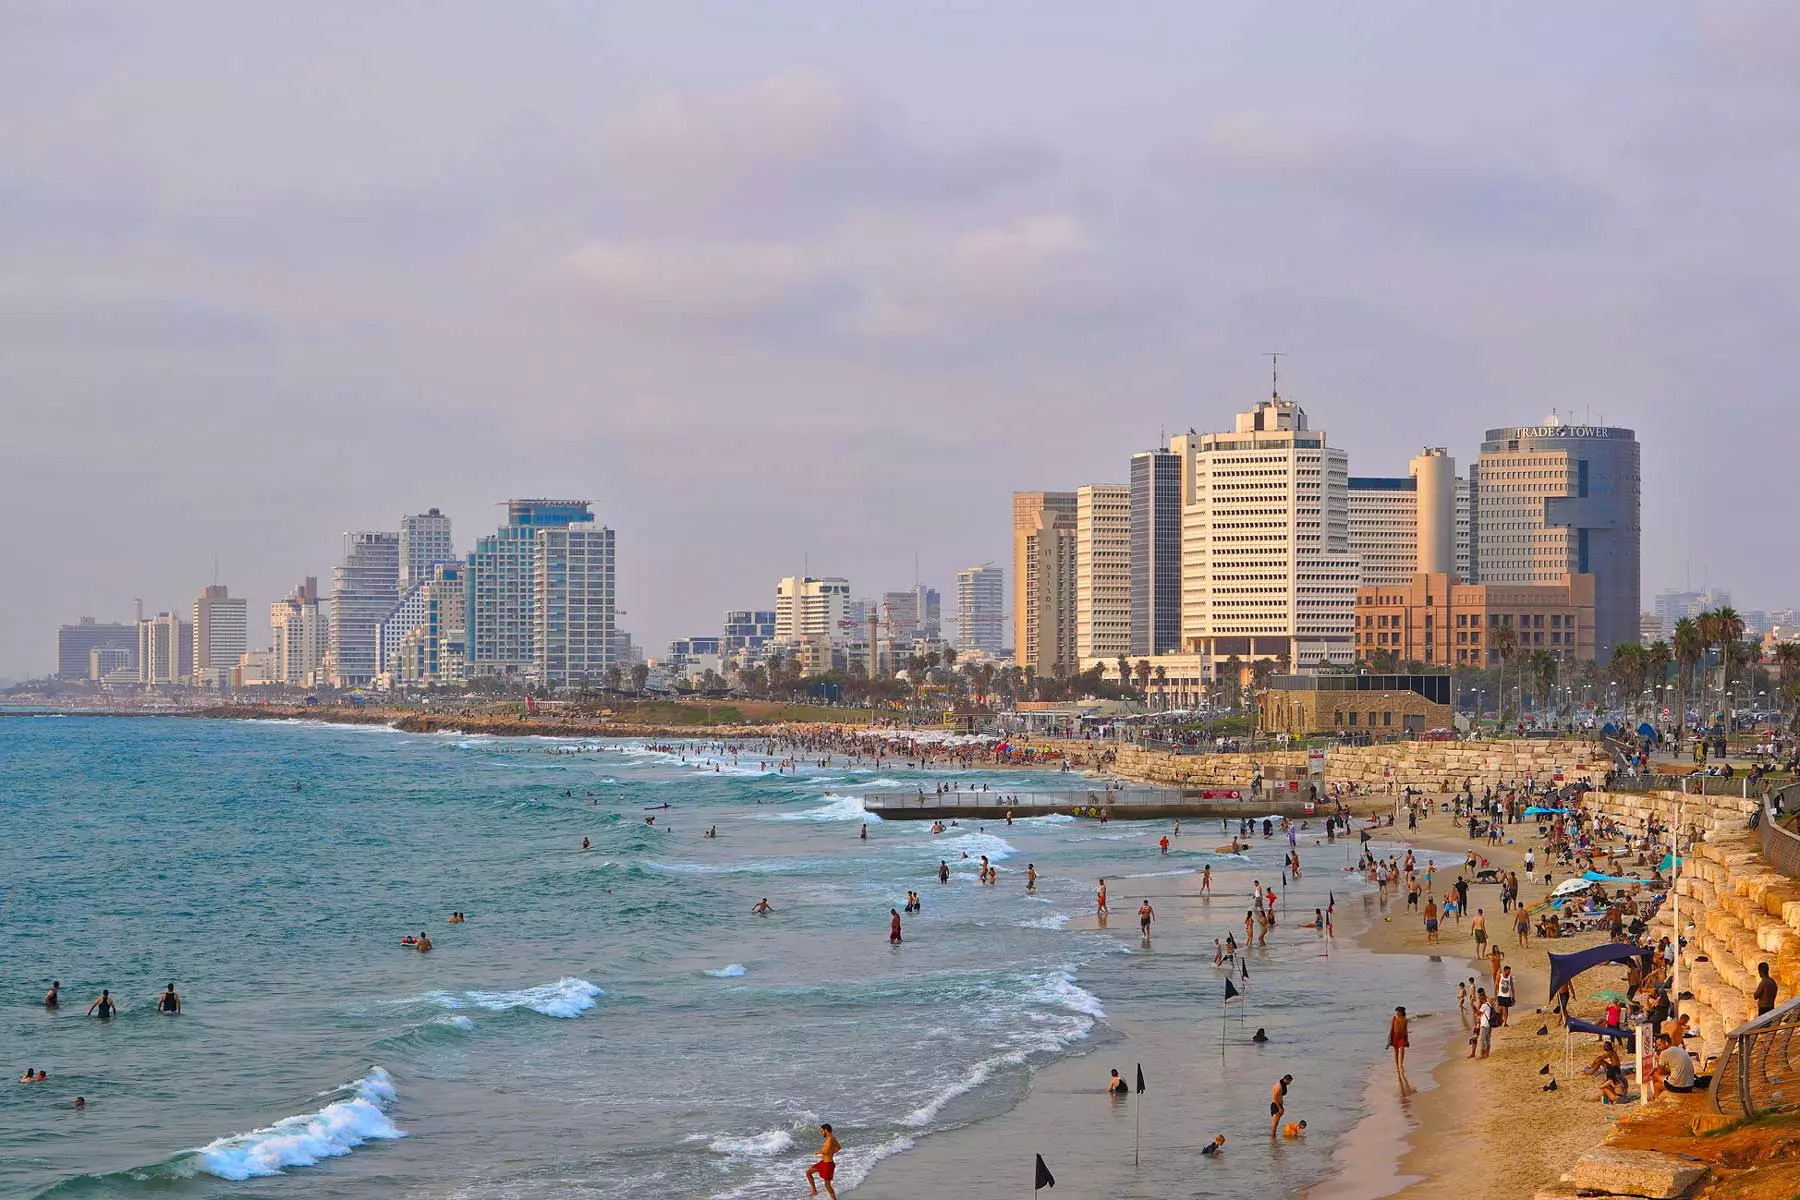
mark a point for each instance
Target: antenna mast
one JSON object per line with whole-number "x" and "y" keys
{"x": 1275, "y": 357}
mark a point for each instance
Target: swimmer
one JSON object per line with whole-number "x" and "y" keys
{"x": 943, "y": 871}
{"x": 586, "y": 845}
{"x": 169, "y": 1002}
{"x": 1165, "y": 843}
{"x": 1214, "y": 1147}
{"x": 1117, "y": 1086}
{"x": 826, "y": 1167}
{"x": 1030, "y": 877}
{"x": 30, "y": 1075}
{"x": 1293, "y": 1129}
{"x": 104, "y": 1008}
{"x": 423, "y": 944}
{"x": 1261, "y": 1036}
{"x": 80, "y": 1103}
{"x": 53, "y": 997}
{"x": 865, "y": 833}
{"x": 762, "y": 908}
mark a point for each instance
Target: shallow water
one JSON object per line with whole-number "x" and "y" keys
{"x": 607, "y": 1021}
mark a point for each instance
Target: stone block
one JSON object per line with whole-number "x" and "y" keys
{"x": 1646, "y": 1173}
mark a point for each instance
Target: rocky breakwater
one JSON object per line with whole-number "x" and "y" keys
{"x": 1430, "y": 766}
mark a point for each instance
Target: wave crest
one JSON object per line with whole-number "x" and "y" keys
{"x": 303, "y": 1141}
{"x": 566, "y": 998}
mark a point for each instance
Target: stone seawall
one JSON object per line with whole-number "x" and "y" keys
{"x": 1430, "y": 766}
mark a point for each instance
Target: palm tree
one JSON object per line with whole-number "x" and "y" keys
{"x": 613, "y": 677}
{"x": 1630, "y": 664}
{"x": 1143, "y": 677}
{"x": 640, "y": 675}
{"x": 1689, "y": 646}
{"x": 1162, "y": 684}
{"x": 1543, "y": 675}
{"x": 1503, "y": 643}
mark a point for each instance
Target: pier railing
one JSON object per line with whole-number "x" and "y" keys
{"x": 988, "y": 802}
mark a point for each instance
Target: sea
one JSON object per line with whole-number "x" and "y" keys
{"x": 608, "y": 1022}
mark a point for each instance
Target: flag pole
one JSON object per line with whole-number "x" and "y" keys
{"x": 1137, "y": 1132}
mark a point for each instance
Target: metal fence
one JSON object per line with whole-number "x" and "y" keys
{"x": 1758, "y": 1072}
{"x": 1780, "y": 847}
{"x": 1059, "y": 798}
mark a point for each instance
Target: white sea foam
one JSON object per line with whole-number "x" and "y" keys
{"x": 1162, "y": 874}
{"x": 998, "y": 849}
{"x": 1047, "y": 819}
{"x": 1053, "y": 921}
{"x": 733, "y": 971}
{"x": 835, "y": 808}
{"x": 302, "y": 1141}
{"x": 757, "y": 1145}
{"x": 566, "y": 998}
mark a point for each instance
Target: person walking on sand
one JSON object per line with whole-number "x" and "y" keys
{"x": 1100, "y": 901}
{"x": 1478, "y": 928}
{"x": 1146, "y": 914}
{"x": 1431, "y": 919}
{"x": 1398, "y": 1040}
{"x": 826, "y": 1167}
{"x": 1278, "y": 1103}
{"x": 1522, "y": 924}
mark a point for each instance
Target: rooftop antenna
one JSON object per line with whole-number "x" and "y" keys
{"x": 1275, "y": 357}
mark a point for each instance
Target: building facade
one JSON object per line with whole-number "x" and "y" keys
{"x": 363, "y": 588}
{"x": 1156, "y": 515}
{"x": 1440, "y": 622}
{"x": 501, "y": 581}
{"x": 1373, "y": 706}
{"x": 746, "y": 629}
{"x": 1555, "y": 500}
{"x": 425, "y": 541}
{"x": 1267, "y": 571}
{"x": 981, "y": 609}
{"x": 165, "y": 650}
{"x": 1417, "y": 522}
{"x": 1029, "y": 511}
{"x": 221, "y": 636}
{"x": 1103, "y": 571}
{"x": 1048, "y": 626}
{"x": 573, "y": 635}
{"x": 807, "y": 609}
{"x": 75, "y": 644}
{"x": 299, "y": 636}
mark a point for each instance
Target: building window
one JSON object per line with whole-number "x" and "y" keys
{"x": 1337, "y": 718}
{"x": 1387, "y": 718}
{"x": 1353, "y": 716}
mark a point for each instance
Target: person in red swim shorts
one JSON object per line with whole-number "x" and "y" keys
{"x": 826, "y": 1167}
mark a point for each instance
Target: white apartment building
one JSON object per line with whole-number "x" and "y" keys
{"x": 573, "y": 605}
{"x": 424, "y": 542}
{"x": 221, "y": 635}
{"x": 1400, "y": 526}
{"x": 363, "y": 588}
{"x": 165, "y": 650}
{"x": 502, "y": 581}
{"x": 807, "y": 609}
{"x": 981, "y": 609}
{"x": 1266, "y": 564}
{"x": 300, "y": 636}
{"x": 1102, "y": 571}
{"x": 407, "y": 614}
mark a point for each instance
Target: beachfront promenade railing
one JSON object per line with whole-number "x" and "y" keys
{"x": 1780, "y": 847}
{"x": 1069, "y": 798}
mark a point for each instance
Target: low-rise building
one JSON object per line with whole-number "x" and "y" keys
{"x": 1374, "y": 705}
{"x": 1440, "y": 622}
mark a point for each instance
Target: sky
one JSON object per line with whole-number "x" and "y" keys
{"x": 798, "y": 284}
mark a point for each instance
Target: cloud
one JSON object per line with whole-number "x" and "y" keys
{"x": 793, "y": 150}
{"x": 1762, "y": 36}
{"x": 1320, "y": 166}
{"x": 121, "y": 314}
{"x": 689, "y": 283}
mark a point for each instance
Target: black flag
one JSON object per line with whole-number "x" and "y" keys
{"x": 1140, "y": 1079}
{"x": 1044, "y": 1177}
{"x": 1244, "y": 969}
{"x": 1231, "y": 992}
{"x": 1330, "y": 901}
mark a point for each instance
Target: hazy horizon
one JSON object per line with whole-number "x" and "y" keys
{"x": 802, "y": 283}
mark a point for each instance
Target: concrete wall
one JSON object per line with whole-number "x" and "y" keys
{"x": 1427, "y": 765}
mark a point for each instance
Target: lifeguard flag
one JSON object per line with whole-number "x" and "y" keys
{"x": 1244, "y": 969}
{"x": 1231, "y": 992}
{"x": 1044, "y": 1177}
{"x": 1140, "y": 1079}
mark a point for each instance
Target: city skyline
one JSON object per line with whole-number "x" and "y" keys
{"x": 848, "y": 249}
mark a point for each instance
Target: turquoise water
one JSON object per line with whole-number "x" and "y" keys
{"x": 607, "y": 1021}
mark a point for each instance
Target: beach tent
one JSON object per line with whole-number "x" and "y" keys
{"x": 1593, "y": 1027}
{"x": 1646, "y": 730}
{"x": 1564, "y": 967}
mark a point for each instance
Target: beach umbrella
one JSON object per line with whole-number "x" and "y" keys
{"x": 1606, "y": 995}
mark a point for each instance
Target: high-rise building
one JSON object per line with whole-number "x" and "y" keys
{"x": 572, "y": 635}
{"x": 112, "y": 664}
{"x": 1555, "y": 499}
{"x": 1047, "y": 623}
{"x": 1103, "y": 571}
{"x": 1399, "y": 526}
{"x": 1029, "y": 509}
{"x": 502, "y": 581}
{"x": 1672, "y": 606}
{"x": 407, "y": 613}
{"x": 1266, "y": 565}
{"x": 1155, "y": 552}
{"x": 910, "y": 615}
{"x": 74, "y": 644}
{"x": 424, "y": 542}
{"x": 981, "y": 609}
{"x": 746, "y": 629}
{"x": 300, "y": 636}
{"x": 363, "y": 588}
{"x": 165, "y": 650}
{"x": 930, "y": 607}
{"x": 221, "y": 635}
{"x": 809, "y": 609}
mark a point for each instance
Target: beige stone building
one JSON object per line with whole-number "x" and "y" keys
{"x": 1376, "y": 705}
{"x": 1102, "y": 571}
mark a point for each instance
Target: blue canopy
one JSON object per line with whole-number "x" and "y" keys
{"x": 1597, "y": 877}
{"x": 1646, "y": 730}
{"x": 1609, "y": 728}
{"x": 1564, "y": 967}
{"x": 1535, "y": 811}
{"x": 1611, "y": 1031}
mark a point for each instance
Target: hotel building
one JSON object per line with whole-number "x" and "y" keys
{"x": 1155, "y": 552}
{"x": 221, "y": 636}
{"x": 75, "y": 644}
{"x": 165, "y": 650}
{"x": 981, "y": 609}
{"x": 811, "y": 610}
{"x": 424, "y": 542}
{"x": 300, "y": 636}
{"x": 363, "y": 588}
{"x": 1045, "y": 582}
{"x": 500, "y": 586}
{"x": 573, "y": 597}
{"x": 1103, "y": 572}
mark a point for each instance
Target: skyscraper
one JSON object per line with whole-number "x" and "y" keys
{"x": 1266, "y": 565}
{"x": 746, "y": 629}
{"x": 300, "y": 636}
{"x": 1103, "y": 570}
{"x": 1554, "y": 500}
{"x": 363, "y": 589}
{"x": 221, "y": 635}
{"x": 1410, "y": 524}
{"x": 502, "y": 584}
{"x": 808, "y": 609}
{"x": 424, "y": 540}
{"x": 981, "y": 609}
{"x": 1029, "y": 509}
{"x": 165, "y": 650}
{"x": 1047, "y": 625}
{"x": 572, "y": 635}
{"x": 75, "y": 642}
{"x": 1155, "y": 552}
